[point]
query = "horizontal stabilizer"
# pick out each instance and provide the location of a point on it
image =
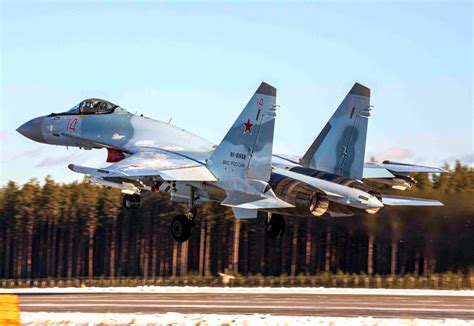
(242, 213)
(390, 200)
(237, 199)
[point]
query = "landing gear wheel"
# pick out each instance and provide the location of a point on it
(274, 226)
(131, 201)
(181, 228)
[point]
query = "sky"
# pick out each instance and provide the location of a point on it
(200, 62)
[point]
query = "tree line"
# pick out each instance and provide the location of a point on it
(77, 230)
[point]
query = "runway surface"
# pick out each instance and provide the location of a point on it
(289, 304)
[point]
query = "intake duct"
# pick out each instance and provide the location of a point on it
(308, 201)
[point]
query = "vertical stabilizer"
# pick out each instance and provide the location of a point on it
(340, 146)
(245, 152)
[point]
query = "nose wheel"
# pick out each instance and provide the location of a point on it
(274, 226)
(131, 201)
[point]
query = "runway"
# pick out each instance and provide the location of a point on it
(288, 304)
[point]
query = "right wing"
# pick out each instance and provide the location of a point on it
(169, 166)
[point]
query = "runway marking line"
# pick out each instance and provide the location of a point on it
(134, 302)
(227, 306)
(9, 310)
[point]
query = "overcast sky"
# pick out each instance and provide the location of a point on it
(200, 64)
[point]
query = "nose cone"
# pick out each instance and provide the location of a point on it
(33, 129)
(374, 202)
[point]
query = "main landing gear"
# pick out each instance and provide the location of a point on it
(274, 226)
(131, 201)
(181, 225)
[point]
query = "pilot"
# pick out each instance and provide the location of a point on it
(86, 108)
(101, 107)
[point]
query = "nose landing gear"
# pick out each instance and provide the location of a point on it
(131, 201)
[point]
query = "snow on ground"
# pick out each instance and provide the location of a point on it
(256, 290)
(77, 318)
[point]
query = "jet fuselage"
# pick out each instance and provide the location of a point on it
(122, 129)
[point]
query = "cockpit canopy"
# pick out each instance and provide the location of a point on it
(91, 106)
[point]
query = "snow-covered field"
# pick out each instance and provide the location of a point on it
(257, 290)
(76, 319)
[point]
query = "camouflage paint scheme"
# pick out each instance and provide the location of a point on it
(236, 173)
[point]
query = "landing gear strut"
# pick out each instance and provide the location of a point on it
(131, 201)
(274, 226)
(181, 225)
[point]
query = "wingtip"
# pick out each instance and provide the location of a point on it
(266, 89)
(359, 89)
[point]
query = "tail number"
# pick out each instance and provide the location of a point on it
(238, 155)
(71, 125)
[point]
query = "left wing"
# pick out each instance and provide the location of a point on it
(372, 170)
(389, 169)
(170, 166)
(390, 200)
(396, 175)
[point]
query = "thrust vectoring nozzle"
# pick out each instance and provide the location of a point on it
(338, 193)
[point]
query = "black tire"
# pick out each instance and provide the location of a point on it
(275, 227)
(131, 201)
(137, 199)
(181, 228)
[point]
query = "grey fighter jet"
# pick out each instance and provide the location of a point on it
(150, 155)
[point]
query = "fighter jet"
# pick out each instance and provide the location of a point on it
(150, 155)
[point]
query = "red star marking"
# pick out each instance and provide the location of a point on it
(248, 127)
